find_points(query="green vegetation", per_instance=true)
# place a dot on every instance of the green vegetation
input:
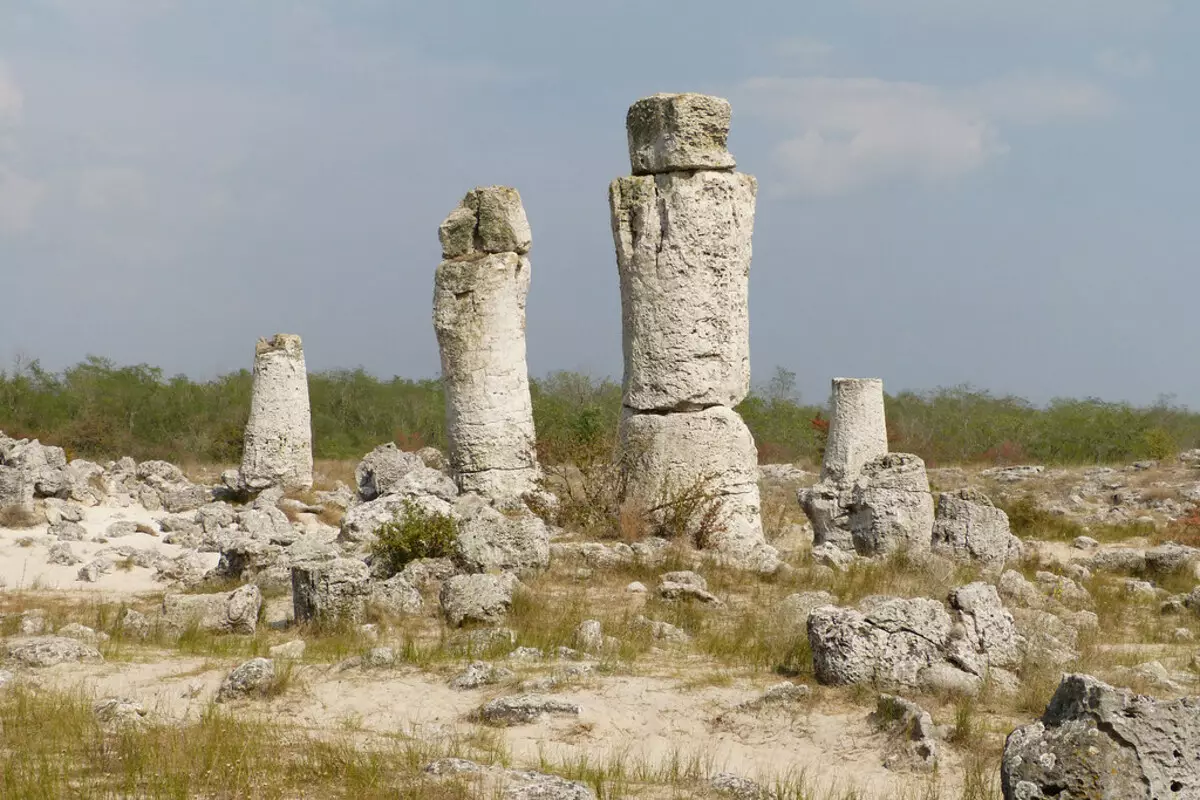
(99, 410)
(414, 533)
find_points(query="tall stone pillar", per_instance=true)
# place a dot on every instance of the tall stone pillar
(682, 225)
(479, 317)
(277, 448)
(858, 429)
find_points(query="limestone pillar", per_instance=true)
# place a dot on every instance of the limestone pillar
(682, 227)
(278, 440)
(858, 429)
(479, 317)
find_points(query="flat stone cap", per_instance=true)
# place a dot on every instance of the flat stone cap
(288, 342)
(490, 219)
(678, 132)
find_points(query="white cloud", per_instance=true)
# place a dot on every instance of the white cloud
(801, 48)
(1125, 64)
(843, 134)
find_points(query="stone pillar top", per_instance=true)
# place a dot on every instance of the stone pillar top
(288, 342)
(490, 219)
(677, 133)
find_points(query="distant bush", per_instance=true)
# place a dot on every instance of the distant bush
(414, 533)
(99, 410)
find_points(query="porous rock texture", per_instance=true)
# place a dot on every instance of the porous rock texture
(915, 643)
(1095, 742)
(477, 598)
(226, 612)
(683, 244)
(277, 448)
(967, 527)
(891, 506)
(711, 452)
(331, 591)
(480, 289)
(678, 132)
(682, 228)
(857, 429)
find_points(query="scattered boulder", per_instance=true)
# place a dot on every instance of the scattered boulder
(517, 541)
(480, 673)
(737, 787)
(477, 598)
(523, 709)
(120, 713)
(890, 644)
(226, 612)
(528, 785)
(68, 532)
(91, 571)
(60, 553)
(47, 651)
(396, 596)
(685, 585)
(968, 527)
(1097, 741)
(331, 591)
(250, 678)
(915, 733)
(892, 506)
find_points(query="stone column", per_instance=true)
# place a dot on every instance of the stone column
(858, 429)
(682, 225)
(278, 441)
(479, 317)
(867, 501)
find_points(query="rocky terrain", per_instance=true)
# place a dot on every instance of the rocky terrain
(674, 622)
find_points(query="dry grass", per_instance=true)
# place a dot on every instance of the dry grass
(51, 745)
(19, 517)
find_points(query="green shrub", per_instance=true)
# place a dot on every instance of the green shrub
(413, 533)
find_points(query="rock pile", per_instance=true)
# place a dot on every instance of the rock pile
(682, 226)
(31, 471)
(479, 317)
(277, 448)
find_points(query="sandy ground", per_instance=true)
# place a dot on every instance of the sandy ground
(23, 555)
(645, 720)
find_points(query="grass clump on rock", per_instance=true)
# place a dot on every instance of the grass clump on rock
(414, 532)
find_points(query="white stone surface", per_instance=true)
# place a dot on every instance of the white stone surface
(676, 132)
(665, 455)
(683, 243)
(858, 429)
(479, 318)
(278, 440)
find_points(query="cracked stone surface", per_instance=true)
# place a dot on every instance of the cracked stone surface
(277, 448)
(480, 289)
(1097, 742)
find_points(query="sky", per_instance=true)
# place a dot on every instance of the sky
(1002, 193)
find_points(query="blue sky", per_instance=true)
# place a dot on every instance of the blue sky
(996, 192)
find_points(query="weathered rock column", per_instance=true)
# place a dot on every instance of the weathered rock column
(867, 500)
(858, 430)
(278, 440)
(479, 317)
(682, 225)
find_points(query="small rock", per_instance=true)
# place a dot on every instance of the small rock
(290, 651)
(526, 785)
(61, 554)
(380, 657)
(522, 709)
(589, 635)
(120, 712)
(82, 632)
(252, 677)
(1140, 590)
(480, 673)
(1085, 543)
(46, 651)
(637, 587)
(737, 787)
(477, 598)
(91, 571)
(780, 693)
